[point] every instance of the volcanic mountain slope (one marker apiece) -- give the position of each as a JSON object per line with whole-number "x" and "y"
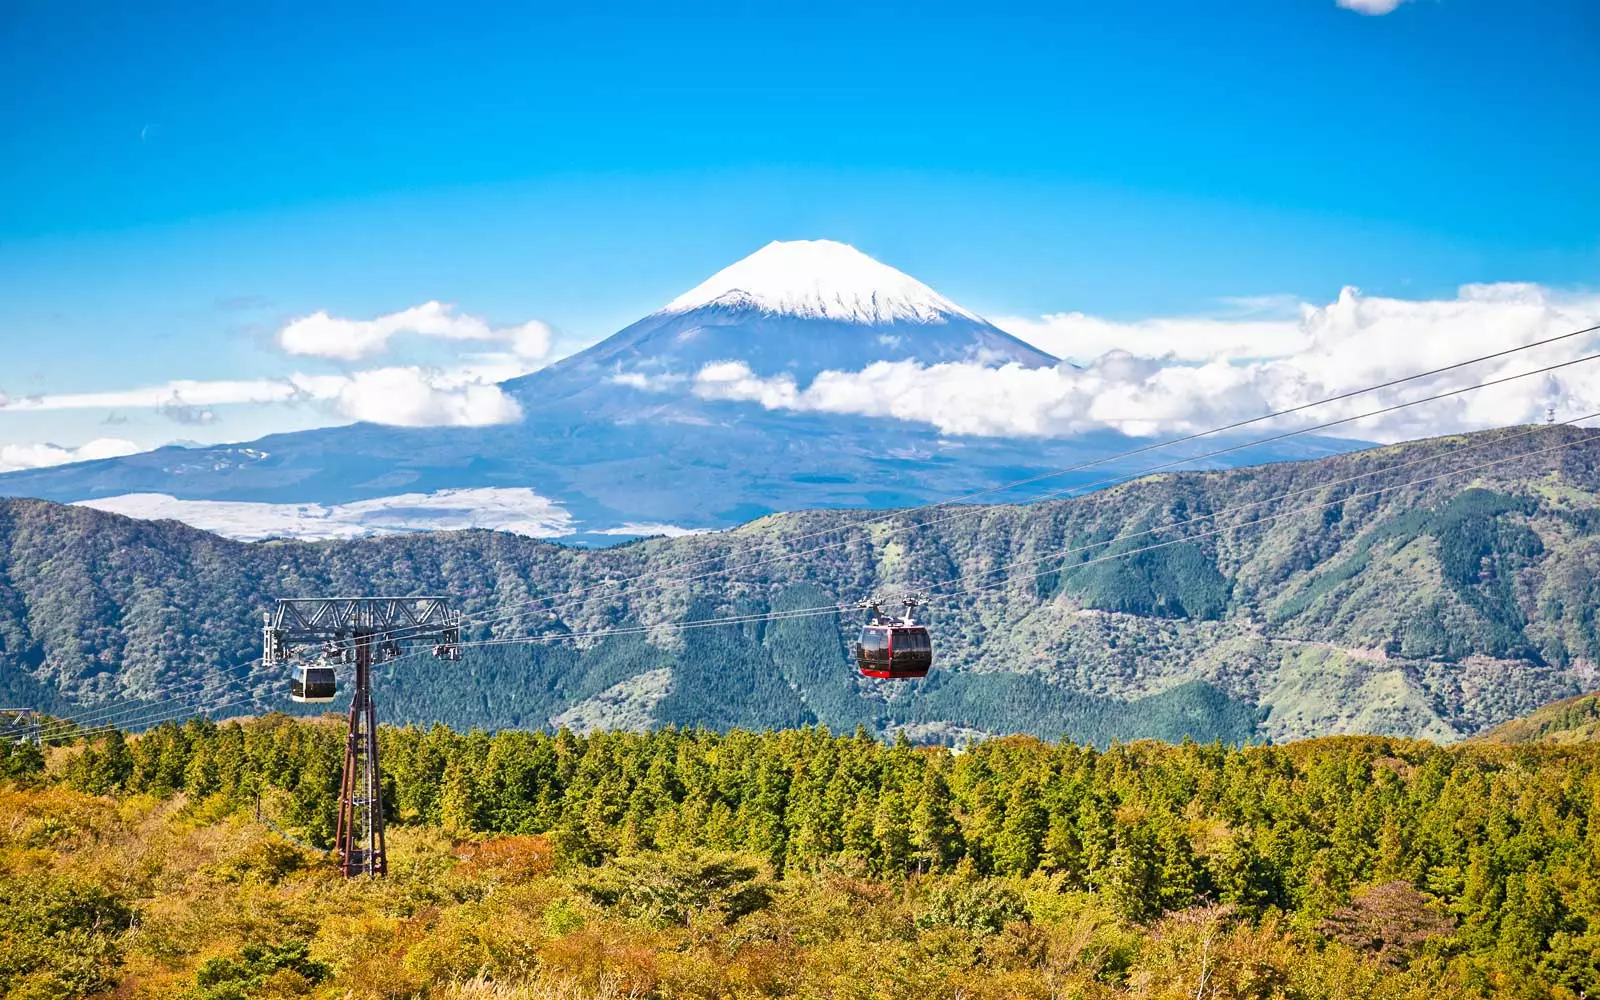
{"x": 1342, "y": 596}
{"x": 624, "y": 438}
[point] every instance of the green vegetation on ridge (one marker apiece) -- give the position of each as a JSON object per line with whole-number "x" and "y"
{"x": 1570, "y": 720}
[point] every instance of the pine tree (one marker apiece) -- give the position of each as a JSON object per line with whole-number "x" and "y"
{"x": 1131, "y": 878}
{"x": 461, "y": 808}
{"x": 936, "y": 836}
{"x": 1021, "y": 838}
{"x": 105, "y": 767}
{"x": 1062, "y": 851}
{"x": 891, "y": 828}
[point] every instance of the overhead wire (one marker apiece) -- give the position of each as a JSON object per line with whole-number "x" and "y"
{"x": 1269, "y": 518}
{"x": 504, "y": 614}
{"x": 180, "y": 711}
{"x": 120, "y": 710}
{"x": 1061, "y": 553}
{"x": 836, "y": 609}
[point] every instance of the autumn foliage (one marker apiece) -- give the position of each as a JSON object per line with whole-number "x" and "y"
{"x": 187, "y": 862}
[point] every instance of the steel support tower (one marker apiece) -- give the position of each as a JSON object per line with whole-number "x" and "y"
{"x": 364, "y": 632}
{"x": 21, "y": 725}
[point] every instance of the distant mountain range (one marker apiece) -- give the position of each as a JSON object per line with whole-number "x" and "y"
{"x": 622, "y": 440}
{"x": 1343, "y": 597}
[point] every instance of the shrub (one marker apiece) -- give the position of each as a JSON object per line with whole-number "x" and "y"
{"x": 971, "y": 903}
{"x": 1390, "y": 921}
{"x": 278, "y": 970}
{"x": 675, "y": 888}
{"x": 59, "y": 937}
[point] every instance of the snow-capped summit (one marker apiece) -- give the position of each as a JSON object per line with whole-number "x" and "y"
{"x": 820, "y": 279}
{"x": 797, "y": 308}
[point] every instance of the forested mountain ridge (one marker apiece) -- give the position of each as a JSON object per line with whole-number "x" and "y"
{"x": 1433, "y": 609}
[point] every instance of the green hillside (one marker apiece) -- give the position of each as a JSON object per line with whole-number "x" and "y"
{"x": 1432, "y": 610}
{"x": 1570, "y": 720}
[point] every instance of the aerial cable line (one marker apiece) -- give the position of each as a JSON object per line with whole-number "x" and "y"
{"x": 499, "y": 615}
{"x": 167, "y": 712}
{"x": 182, "y": 711}
{"x": 129, "y": 707}
{"x": 95, "y": 714}
{"x": 151, "y": 714}
{"x": 107, "y": 713}
{"x": 99, "y": 716}
{"x": 1264, "y": 520}
{"x": 132, "y": 717}
{"x": 974, "y": 589}
{"x": 65, "y": 729}
{"x": 1261, "y": 520}
{"x": 1060, "y": 553}
{"x": 503, "y": 613}
{"x": 1318, "y": 488}
{"x": 65, "y": 724}
{"x": 68, "y": 725}
{"x": 99, "y": 719}
{"x": 103, "y": 714}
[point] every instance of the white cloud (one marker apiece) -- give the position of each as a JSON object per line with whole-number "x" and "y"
{"x": 514, "y": 509}
{"x": 192, "y": 393}
{"x": 531, "y": 340}
{"x": 1372, "y": 7}
{"x": 650, "y": 382}
{"x": 324, "y": 336}
{"x": 1158, "y": 382}
{"x": 406, "y": 396}
{"x": 650, "y": 529}
{"x": 38, "y": 456}
{"x": 734, "y": 380}
{"x": 1077, "y": 337}
{"x": 461, "y": 391}
{"x": 410, "y": 397}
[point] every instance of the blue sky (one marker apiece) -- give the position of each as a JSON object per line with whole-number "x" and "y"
{"x": 183, "y": 179}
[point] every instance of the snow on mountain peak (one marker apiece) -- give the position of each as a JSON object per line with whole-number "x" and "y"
{"x": 820, "y": 279}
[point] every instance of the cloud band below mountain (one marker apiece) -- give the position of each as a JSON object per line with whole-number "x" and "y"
{"x": 1161, "y": 382}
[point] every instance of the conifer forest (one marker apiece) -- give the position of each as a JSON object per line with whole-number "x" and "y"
{"x": 189, "y": 861}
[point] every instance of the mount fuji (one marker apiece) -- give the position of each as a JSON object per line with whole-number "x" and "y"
{"x": 623, "y": 440}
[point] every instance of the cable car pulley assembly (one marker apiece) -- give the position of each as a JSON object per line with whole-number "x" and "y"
{"x": 363, "y": 631}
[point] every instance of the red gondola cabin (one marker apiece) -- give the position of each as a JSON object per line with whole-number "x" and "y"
{"x": 895, "y": 648}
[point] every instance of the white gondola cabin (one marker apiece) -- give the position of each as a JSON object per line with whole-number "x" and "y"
{"x": 312, "y": 683}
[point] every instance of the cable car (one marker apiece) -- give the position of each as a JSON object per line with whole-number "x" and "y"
{"x": 896, "y": 648}
{"x": 312, "y": 683}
